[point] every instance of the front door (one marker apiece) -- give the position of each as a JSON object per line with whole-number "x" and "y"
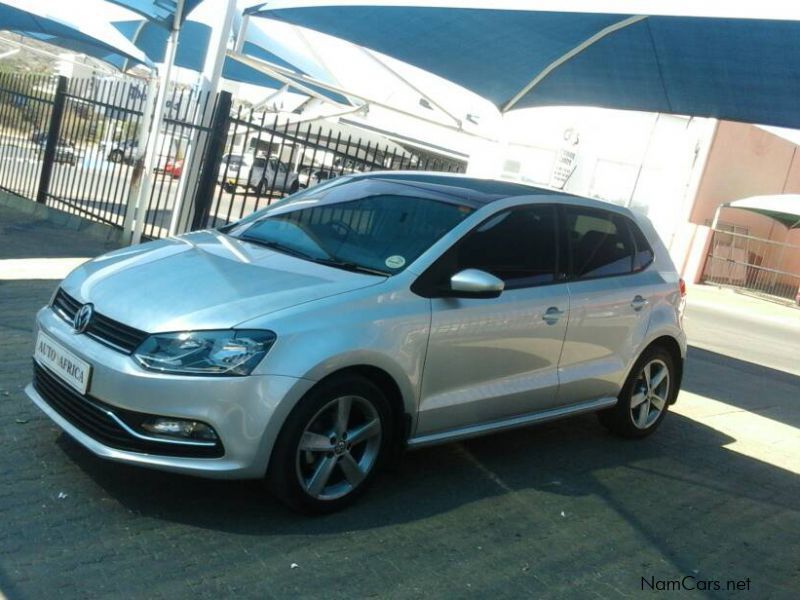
{"x": 490, "y": 359}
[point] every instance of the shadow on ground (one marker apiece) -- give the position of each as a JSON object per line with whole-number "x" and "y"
{"x": 744, "y": 384}
{"x": 563, "y": 509}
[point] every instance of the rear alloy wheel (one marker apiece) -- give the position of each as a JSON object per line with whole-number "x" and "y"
{"x": 645, "y": 396}
{"x": 650, "y": 394}
{"x": 331, "y": 445}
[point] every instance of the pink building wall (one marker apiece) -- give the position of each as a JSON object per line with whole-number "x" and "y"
{"x": 744, "y": 161}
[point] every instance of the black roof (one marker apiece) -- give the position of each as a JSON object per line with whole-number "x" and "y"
{"x": 474, "y": 189}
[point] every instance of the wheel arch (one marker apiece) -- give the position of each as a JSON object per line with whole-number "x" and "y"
{"x": 382, "y": 378}
{"x": 671, "y": 345}
{"x": 402, "y": 419}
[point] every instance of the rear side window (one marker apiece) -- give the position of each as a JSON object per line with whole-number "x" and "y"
{"x": 600, "y": 243}
{"x": 644, "y": 253}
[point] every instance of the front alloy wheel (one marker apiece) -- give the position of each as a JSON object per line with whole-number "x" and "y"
{"x": 331, "y": 445}
{"x": 338, "y": 448}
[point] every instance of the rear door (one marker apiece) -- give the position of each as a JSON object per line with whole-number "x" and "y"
{"x": 491, "y": 359}
{"x": 610, "y": 291}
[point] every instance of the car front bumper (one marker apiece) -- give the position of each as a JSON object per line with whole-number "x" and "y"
{"x": 238, "y": 408}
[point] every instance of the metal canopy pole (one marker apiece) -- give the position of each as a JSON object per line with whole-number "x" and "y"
{"x": 139, "y": 154}
{"x": 214, "y": 62}
{"x": 380, "y": 62}
{"x": 142, "y": 199}
{"x": 296, "y": 81}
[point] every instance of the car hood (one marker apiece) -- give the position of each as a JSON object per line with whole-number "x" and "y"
{"x": 203, "y": 280}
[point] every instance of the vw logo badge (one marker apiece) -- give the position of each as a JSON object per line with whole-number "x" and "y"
{"x": 82, "y": 318}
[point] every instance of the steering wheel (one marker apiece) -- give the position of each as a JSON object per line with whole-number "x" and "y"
{"x": 341, "y": 228}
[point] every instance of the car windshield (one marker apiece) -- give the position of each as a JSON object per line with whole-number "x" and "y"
{"x": 379, "y": 234}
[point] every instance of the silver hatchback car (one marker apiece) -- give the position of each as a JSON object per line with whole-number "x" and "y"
{"x": 311, "y": 341}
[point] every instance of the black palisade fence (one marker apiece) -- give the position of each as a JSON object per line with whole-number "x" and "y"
{"x": 72, "y": 144}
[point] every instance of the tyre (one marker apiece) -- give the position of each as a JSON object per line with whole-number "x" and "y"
{"x": 649, "y": 390}
{"x": 331, "y": 445}
{"x": 228, "y": 188}
{"x": 116, "y": 156}
{"x": 262, "y": 187}
{"x": 294, "y": 187}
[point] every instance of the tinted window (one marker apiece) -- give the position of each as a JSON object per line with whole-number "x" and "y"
{"x": 600, "y": 243}
{"x": 518, "y": 246}
{"x": 383, "y": 232}
{"x": 274, "y": 164}
{"x": 644, "y": 253}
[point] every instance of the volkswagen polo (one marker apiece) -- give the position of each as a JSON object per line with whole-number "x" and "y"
{"x": 310, "y": 341}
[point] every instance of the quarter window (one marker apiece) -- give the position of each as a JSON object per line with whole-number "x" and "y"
{"x": 600, "y": 243}
{"x": 644, "y": 253}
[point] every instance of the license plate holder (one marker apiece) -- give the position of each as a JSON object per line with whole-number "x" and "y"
{"x": 70, "y": 369}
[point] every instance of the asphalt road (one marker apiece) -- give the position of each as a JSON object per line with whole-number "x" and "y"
{"x": 770, "y": 336}
{"x": 562, "y": 510}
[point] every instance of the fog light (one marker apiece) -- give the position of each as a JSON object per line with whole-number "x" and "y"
{"x": 180, "y": 428}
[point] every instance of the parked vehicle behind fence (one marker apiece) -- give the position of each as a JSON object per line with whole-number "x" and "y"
{"x": 311, "y": 341}
{"x": 271, "y": 174}
{"x": 167, "y": 148}
{"x": 310, "y": 176}
{"x": 121, "y": 151}
{"x": 234, "y": 171}
{"x": 66, "y": 153}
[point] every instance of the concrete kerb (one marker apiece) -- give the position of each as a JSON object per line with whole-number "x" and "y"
{"x": 98, "y": 231}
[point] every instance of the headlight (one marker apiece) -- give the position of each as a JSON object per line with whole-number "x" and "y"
{"x": 229, "y": 352}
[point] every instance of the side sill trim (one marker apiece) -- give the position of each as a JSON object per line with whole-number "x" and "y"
{"x": 452, "y": 435}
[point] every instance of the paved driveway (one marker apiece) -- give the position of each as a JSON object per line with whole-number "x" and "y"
{"x": 561, "y": 510}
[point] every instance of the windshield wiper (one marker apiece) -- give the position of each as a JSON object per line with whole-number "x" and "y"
{"x": 330, "y": 262}
{"x": 277, "y": 246}
{"x": 350, "y": 266}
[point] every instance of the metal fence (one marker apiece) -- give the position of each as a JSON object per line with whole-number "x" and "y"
{"x": 71, "y": 144}
{"x": 267, "y": 156}
{"x": 753, "y": 264}
{"x": 26, "y": 104}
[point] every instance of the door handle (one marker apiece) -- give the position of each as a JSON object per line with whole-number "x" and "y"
{"x": 638, "y": 303}
{"x": 552, "y": 315}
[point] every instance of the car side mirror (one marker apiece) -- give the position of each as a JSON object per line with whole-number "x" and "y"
{"x": 474, "y": 283}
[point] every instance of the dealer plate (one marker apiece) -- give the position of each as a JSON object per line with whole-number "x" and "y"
{"x": 69, "y": 368}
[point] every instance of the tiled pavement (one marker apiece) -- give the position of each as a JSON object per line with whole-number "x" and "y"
{"x": 563, "y": 510}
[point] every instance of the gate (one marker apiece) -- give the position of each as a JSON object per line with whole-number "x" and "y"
{"x": 70, "y": 144}
{"x": 753, "y": 264}
{"x": 266, "y": 156}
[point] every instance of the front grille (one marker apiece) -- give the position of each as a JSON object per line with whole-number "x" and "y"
{"x": 91, "y": 416}
{"x": 107, "y": 331}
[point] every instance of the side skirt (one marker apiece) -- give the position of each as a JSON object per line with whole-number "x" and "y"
{"x": 470, "y": 431}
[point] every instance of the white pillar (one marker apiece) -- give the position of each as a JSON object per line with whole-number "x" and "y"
{"x": 241, "y": 37}
{"x": 715, "y": 222}
{"x": 210, "y": 79}
{"x": 139, "y": 152}
{"x": 150, "y": 156}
